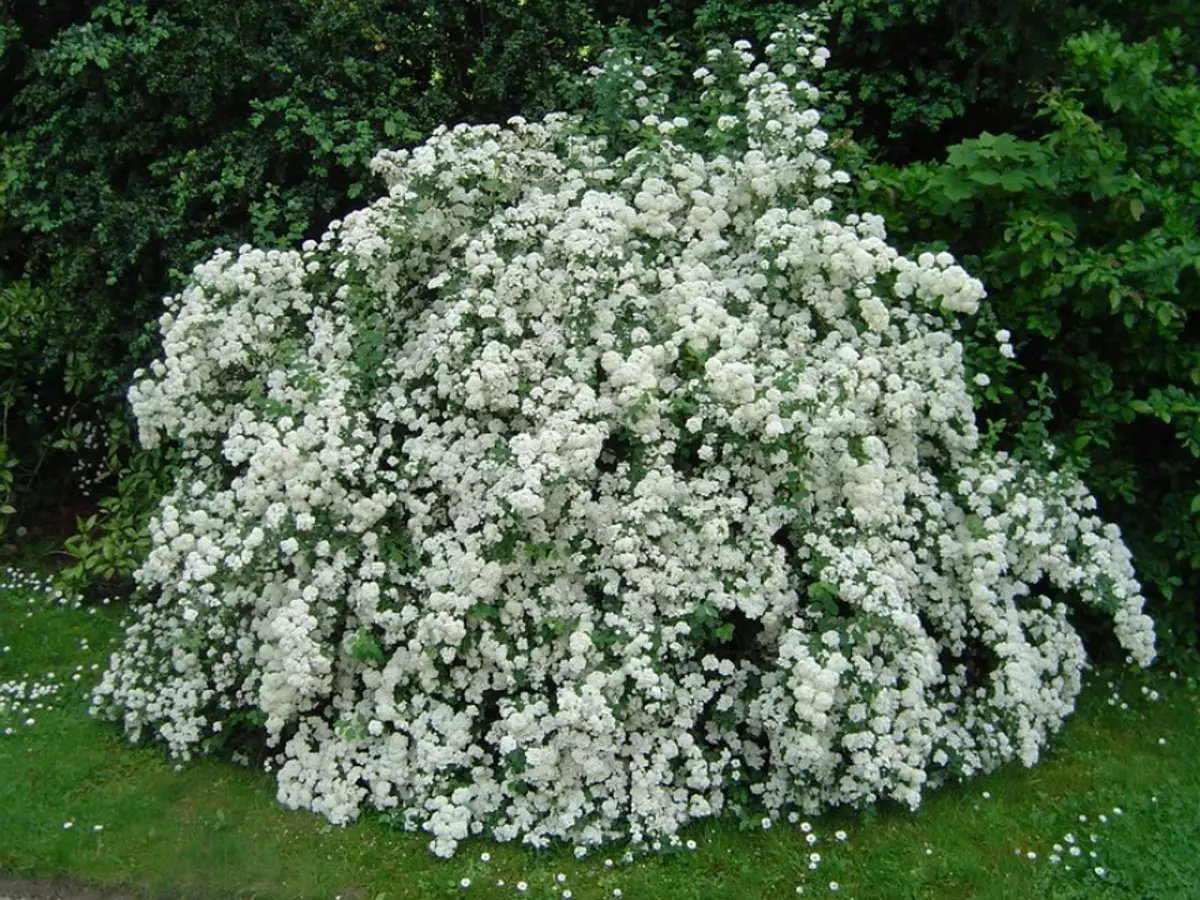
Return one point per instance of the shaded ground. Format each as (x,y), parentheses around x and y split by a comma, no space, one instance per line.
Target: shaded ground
(41,533)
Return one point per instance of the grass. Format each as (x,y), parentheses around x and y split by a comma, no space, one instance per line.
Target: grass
(210,829)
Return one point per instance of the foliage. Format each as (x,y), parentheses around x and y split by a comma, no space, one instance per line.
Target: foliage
(51,444)
(108,546)
(909,77)
(6,483)
(599,478)
(1088,241)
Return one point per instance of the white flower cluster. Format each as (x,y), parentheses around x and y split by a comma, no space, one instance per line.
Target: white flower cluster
(557,495)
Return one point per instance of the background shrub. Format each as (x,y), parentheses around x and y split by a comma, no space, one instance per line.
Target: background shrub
(911,77)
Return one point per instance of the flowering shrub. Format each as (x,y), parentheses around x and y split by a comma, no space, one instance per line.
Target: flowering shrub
(570,494)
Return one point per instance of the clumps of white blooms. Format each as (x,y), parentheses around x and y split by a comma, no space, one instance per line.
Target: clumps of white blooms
(560,494)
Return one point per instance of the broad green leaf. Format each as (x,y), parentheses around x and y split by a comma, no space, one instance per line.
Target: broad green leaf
(985,176)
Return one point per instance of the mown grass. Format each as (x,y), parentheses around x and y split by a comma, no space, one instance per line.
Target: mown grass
(210,829)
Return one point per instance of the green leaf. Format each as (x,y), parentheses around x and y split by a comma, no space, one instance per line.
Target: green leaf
(484,611)
(365,648)
(823,593)
(985,176)
(1014,181)
(962,155)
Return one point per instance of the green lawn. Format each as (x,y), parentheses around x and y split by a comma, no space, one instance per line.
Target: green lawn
(77,801)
